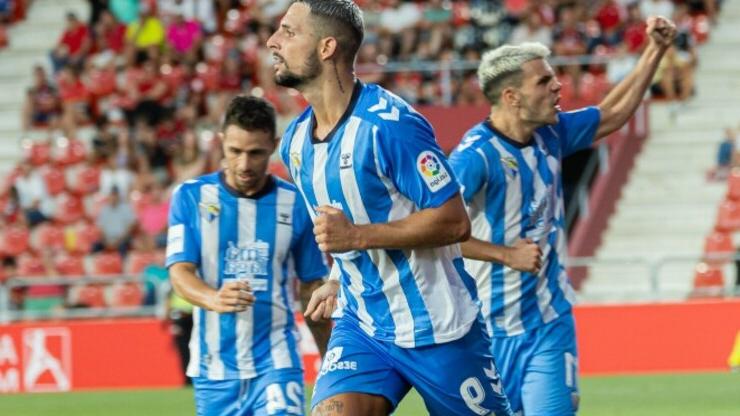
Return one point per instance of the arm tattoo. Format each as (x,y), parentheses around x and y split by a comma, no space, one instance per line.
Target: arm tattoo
(329,407)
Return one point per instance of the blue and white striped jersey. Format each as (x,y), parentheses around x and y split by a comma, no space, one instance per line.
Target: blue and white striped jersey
(259,239)
(515,191)
(382,163)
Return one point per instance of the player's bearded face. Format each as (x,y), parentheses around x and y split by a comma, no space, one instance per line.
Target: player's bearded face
(287,76)
(246,157)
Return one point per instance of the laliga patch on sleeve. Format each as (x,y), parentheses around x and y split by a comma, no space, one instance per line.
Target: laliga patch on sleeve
(432,170)
(175,239)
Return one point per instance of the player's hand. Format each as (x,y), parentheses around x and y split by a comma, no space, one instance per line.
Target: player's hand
(661,31)
(524,256)
(234,296)
(323,301)
(334,232)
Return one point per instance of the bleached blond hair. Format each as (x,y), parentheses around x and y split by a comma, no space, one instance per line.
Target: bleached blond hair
(502,67)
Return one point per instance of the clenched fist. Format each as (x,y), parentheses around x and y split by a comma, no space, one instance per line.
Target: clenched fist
(234,296)
(661,30)
(524,256)
(334,232)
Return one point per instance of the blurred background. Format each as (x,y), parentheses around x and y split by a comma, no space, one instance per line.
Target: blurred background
(106,105)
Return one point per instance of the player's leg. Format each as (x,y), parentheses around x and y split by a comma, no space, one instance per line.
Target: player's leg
(219,397)
(356,376)
(510,355)
(278,392)
(456,378)
(550,384)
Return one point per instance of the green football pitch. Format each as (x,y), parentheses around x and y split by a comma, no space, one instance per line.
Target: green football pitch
(656,395)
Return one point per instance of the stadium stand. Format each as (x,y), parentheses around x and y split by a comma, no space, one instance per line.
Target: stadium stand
(137,111)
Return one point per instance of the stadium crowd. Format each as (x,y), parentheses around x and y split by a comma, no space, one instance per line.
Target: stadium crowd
(151,80)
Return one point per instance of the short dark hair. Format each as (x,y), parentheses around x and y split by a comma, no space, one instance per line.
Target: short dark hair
(251,113)
(341,19)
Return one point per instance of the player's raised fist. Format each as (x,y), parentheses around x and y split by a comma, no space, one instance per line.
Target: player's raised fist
(661,30)
(334,232)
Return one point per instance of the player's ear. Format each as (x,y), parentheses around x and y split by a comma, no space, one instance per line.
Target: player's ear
(510,96)
(328,48)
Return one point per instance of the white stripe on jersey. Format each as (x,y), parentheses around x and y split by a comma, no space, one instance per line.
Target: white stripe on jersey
(542,292)
(321,192)
(481,269)
(247,223)
(296,147)
(279,349)
(210,261)
(193,369)
(387,271)
(512,319)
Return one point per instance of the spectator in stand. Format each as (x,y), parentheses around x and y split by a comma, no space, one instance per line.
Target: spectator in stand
(569,36)
(634,29)
(189,162)
(400,20)
(38,206)
(73,46)
(152,217)
(725,156)
(147,30)
(109,33)
(184,36)
(75,100)
(117,223)
(532,30)
(125,11)
(116,175)
(675,76)
(656,8)
(12,212)
(200,10)
(9,271)
(42,106)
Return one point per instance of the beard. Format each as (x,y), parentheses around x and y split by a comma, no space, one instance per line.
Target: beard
(289,79)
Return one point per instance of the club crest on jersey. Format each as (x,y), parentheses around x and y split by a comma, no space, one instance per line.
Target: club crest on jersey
(345,161)
(209,211)
(433,172)
(510,165)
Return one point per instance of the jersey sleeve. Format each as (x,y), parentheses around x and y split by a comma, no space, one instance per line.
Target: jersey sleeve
(309,262)
(408,154)
(577,129)
(470,170)
(182,245)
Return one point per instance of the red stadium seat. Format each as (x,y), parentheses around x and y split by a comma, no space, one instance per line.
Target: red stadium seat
(68,152)
(47,235)
(733,185)
(126,295)
(31,266)
(69,265)
(37,152)
(83,179)
(69,209)
(54,180)
(92,296)
(107,263)
(708,281)
(137,261)
(718,247)
(81,237)
(15,240)
(728,217)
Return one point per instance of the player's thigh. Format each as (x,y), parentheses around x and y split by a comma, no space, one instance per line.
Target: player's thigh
(219,397)
(510,355)
(357,364)
(550,384)
(277,393)
(458,377)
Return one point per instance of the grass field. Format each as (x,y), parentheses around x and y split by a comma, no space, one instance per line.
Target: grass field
(656,395)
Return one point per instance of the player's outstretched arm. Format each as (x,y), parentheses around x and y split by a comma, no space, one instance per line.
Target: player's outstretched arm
(319,298)
(234,296)
(524,255)
(622,101)
(430,227)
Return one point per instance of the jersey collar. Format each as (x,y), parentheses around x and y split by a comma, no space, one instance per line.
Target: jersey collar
(348,112)
(507,139)
(269,186)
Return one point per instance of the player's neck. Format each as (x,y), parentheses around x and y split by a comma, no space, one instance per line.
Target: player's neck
(329,98)
(510,125)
